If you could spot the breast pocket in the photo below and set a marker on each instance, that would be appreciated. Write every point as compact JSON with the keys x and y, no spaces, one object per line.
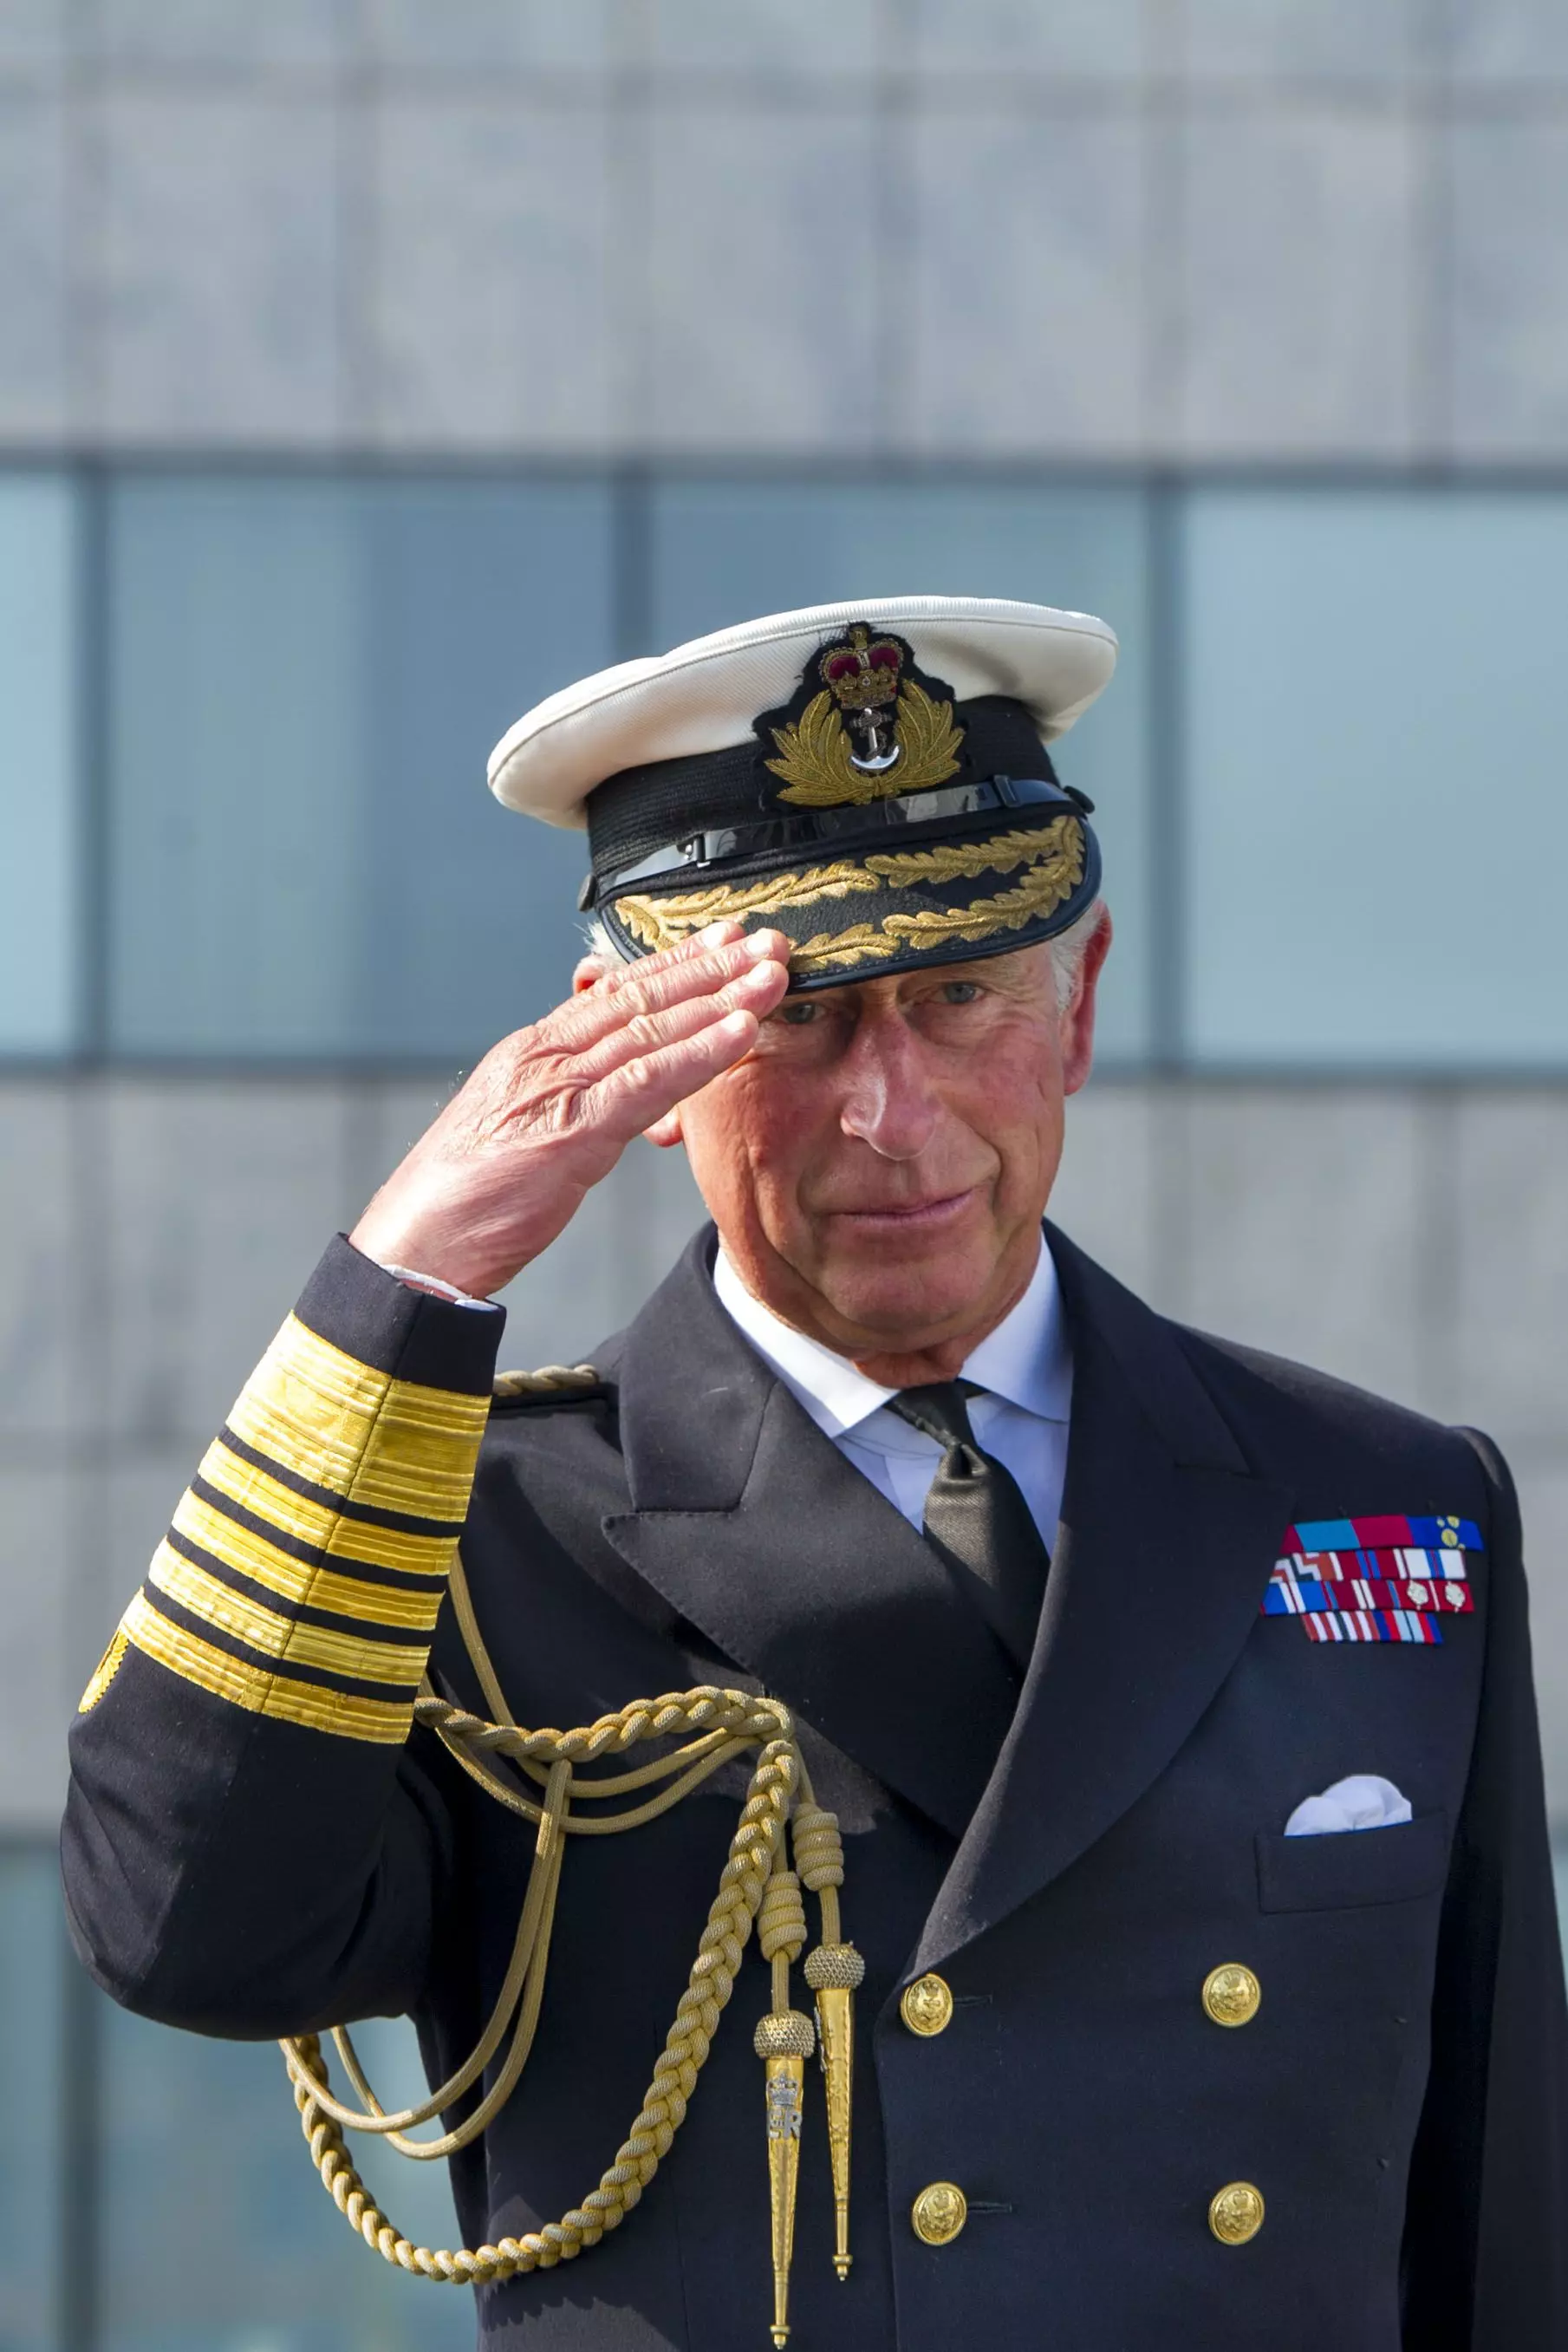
{"x":1346,"y":1869}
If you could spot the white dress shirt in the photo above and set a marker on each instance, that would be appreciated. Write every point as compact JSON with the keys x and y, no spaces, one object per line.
{"x":1025,"y":1368}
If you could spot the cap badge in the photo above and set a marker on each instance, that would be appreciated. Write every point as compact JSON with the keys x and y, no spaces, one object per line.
{"x":871,"y":730}
{"x":863,"y":679}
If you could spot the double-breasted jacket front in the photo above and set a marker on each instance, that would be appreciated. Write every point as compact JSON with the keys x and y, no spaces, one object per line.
{"x":1073,"y":1860}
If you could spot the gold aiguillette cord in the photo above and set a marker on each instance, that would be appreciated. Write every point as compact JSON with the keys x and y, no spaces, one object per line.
{"x":781,"y":1815}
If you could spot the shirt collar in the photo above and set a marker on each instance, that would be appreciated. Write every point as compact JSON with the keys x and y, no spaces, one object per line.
{"x":1026,"y":1360}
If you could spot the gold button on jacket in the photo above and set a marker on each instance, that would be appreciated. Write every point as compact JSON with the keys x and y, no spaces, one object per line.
{"x":939,"y":2212}
{"x":1231,"y":1994}
{"x":1235,"y":2212}
{"x":926,"y":2006}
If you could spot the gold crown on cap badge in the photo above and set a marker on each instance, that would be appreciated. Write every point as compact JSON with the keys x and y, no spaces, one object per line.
{"x":871,"y":731}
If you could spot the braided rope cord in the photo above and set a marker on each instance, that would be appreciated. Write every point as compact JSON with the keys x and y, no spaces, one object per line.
{"x":722,"y":1724}
{"x":551,"y":1380}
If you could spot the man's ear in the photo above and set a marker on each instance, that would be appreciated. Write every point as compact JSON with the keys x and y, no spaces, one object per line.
{"x":667,"y":1131}
{"x":590,"y":969}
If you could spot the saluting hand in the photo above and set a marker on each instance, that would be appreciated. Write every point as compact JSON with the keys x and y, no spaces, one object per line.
{"x":549,"y":1111}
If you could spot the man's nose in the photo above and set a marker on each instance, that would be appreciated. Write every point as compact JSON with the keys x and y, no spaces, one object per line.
{"x":889,"y":1100}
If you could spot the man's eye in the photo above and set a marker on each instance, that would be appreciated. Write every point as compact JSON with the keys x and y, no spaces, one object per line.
{"x":959,"y":991}
{"x":796,"y":1014}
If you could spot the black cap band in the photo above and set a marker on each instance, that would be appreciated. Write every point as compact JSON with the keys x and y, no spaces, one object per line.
{"x":803,"y":833}
{"x":642,"y":811}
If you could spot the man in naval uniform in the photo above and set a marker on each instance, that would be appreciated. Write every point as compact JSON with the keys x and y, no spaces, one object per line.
{"x":1174,"y":1702}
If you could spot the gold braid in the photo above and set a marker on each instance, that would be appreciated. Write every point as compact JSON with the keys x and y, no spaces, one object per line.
{"x":721,"y":1724}
{"x":551,"y":1380}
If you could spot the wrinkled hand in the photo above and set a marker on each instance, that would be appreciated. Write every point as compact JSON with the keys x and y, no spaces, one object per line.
{"x":549,"y":1111}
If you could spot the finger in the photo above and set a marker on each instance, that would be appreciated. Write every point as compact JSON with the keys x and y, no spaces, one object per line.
{"x":653,"y":985}
{"x":615,"y":970}
{"x":593,"y":1035}
{"x":637,"y":1095}
{"x":757,"y":991}
{"x":721,"y":934}
{"x":725,"y":943}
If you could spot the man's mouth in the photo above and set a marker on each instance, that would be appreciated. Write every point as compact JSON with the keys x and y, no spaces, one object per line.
{"x":909,"y":1216}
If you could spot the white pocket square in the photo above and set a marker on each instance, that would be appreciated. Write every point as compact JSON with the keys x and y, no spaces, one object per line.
{"x":1365,"y":1801}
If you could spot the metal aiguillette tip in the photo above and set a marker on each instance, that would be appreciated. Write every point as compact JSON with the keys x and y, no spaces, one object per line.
{"x":833,"y":1971}
{"x":784,"y":2042}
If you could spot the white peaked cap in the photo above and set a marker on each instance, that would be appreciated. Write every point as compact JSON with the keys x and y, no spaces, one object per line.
{"x":704,"y":696}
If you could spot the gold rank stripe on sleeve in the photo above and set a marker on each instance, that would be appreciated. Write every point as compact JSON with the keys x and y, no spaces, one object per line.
{"x":301,"y":1574}
{"x":105,"y":1671}
{"x":238,"y":1480}
{"x":259,"y":1689}
{"x":293,"y":1640}
{"x":305,"y":1567}
{"x":383,"y":1442}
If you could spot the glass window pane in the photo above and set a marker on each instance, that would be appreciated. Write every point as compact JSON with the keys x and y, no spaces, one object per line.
{"x":235,"y":761}
{"x":1373,"y":757}
{"x":727,"y":550}
{"x":306,"y":676}
{"x":31,"y":1960}
{"x":40,"y":808}
{"x":486,"y":597}
{"x":218,"y":2235}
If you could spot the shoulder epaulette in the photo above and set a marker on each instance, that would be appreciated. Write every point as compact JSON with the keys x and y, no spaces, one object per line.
{"x":551,"y":1383}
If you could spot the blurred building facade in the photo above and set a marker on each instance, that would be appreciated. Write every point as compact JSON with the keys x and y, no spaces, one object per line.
{"x":367,"y":368}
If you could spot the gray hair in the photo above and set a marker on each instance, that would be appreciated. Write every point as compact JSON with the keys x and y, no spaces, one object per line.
{"x":1067,"y":949}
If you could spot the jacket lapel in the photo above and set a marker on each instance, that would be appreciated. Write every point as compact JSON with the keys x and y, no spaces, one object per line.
{"x":753,"y":1526}
{"x":1165,"y":1549}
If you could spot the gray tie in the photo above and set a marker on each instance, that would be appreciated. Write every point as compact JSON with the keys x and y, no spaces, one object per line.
{"x":977,"y":1515}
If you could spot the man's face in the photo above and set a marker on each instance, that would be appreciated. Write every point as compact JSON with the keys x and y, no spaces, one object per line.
{"x":878,"y":1165}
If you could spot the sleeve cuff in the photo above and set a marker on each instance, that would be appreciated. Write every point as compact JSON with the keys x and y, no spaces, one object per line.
{"x":357,"y":1306}
{"x":437,"y":1288}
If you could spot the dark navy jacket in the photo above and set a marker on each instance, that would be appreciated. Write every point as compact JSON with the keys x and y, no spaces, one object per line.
{"x":1073,"y":1864}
